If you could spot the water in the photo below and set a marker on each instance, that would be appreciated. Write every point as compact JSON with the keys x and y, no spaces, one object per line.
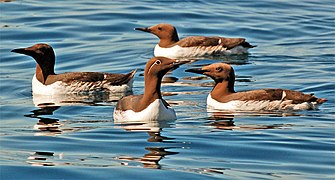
{"x":80,"y":140}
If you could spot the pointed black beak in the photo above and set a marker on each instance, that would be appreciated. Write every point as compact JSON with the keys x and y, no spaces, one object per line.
{"x":196,"y":70}
{"x":20,"y":50}
{"x":146,"y":29}
{"x":23,"y":51}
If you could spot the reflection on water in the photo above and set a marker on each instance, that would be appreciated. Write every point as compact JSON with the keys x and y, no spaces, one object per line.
{"x":225,"y":121}
{"x":78,"y":136}
{"x":44,"y":159}
{"x":47,"y":104}
{"x":229,"y":125}
{"x":47,"y":110}
{"x":76,"y":99}
{"x":223,"y":114}
{"x":149,"y":160}
{"x":153,"y":129}
{"x":46,"y":126}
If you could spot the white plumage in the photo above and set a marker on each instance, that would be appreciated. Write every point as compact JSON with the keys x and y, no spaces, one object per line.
{"x":252,"y":105}
{"x":156,"y":111}
{"x":197,"y":51}
{"x":60,"y":87}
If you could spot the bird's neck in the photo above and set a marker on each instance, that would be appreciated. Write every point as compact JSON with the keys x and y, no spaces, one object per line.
{"x":43,"y":73}
{"x":168,"y":41}
{"x":221,"y":89}
{"x":152,"y":88}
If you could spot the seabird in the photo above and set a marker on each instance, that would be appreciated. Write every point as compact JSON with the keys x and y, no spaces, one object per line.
{"x":193,"y":46}
{"x":149,"y":106}
{"x":224,"y":97}
{"x":47,"y":82}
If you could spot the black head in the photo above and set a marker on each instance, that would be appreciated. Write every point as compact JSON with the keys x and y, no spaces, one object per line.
{"x":42,"y":53}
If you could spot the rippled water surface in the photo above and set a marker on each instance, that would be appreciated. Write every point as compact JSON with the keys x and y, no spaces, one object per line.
{"x":295,"y":50}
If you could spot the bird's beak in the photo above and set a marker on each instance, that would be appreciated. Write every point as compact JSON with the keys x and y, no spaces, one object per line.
{"x":197,"y":70}
{"x":26,"y":51}
{"x":145,"y":29}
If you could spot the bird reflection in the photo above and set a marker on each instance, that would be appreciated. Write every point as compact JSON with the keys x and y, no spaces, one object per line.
{"x":225,"y":121}
{"x":153,"y":129}
{"x":149,"y":160}
{"x":47,"y":158}
{"x":46,"y":126}
{"x":47,"y":104}
{"x":76,"y":99}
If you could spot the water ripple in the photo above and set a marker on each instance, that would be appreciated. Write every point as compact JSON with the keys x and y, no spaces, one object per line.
{"x":78,"y":138}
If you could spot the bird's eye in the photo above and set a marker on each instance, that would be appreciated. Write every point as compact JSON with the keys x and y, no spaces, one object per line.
{"x":218,"y":69}
{"x":159,"y":28}
{"x":158,"y":62}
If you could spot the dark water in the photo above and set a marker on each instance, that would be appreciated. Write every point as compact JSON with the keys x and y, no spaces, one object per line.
{"x":296,"y":47}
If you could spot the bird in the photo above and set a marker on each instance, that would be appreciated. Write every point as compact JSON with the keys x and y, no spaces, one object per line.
{"x":224,"y":97}
{"x":149,"y":106}
{"x":47,"y":82}
{"x":193,"y":46}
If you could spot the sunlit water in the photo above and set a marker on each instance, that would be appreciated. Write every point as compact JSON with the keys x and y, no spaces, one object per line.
{"x":79,"y":139}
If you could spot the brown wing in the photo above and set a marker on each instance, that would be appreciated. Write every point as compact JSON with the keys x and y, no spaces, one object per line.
{"x":114,"y":79}
{"x":131,"y":102}
{"x":75,"y":76}
{"x":117,"y":79}
{"x":229,"y":43}
{"x":273,"y":94}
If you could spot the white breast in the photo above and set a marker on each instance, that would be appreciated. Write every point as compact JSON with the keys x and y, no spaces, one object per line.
{"x":154,"y":112}
{"x":198,"y":51}
{"x":59,"y":87}
{"x":39,"y":88}
{"x":277,"y":105}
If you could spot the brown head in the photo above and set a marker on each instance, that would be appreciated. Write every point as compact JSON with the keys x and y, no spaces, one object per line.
{"x":219,"y":72}
{"x":159,"y":66}
{"x":165,"y":32}
{"x":155,"y":69}
{"x":43,"y":55}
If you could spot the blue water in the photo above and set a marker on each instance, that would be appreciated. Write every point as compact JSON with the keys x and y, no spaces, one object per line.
{"x":295,"y":50}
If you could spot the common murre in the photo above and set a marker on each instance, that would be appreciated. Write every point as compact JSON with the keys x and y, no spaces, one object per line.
{"x":149,"y":106}
{"x":47,"y":82}
{"x":193,"y":46}
{"x":224,"y":97}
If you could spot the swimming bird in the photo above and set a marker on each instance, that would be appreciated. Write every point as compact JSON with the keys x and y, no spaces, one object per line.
{"x":224,"y":97}
{"x":149,"y":106}
{"x":47,"y":82}
{"x":193,"y":46}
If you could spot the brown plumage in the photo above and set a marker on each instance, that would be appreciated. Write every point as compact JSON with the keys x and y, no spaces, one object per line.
{"x":109,"y":78}
{"x":155,"y":69}
{"x":223,"y":91}
{"x":271,"y":95}
{"x":45,"y":74}
{"x":169,"y":37}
